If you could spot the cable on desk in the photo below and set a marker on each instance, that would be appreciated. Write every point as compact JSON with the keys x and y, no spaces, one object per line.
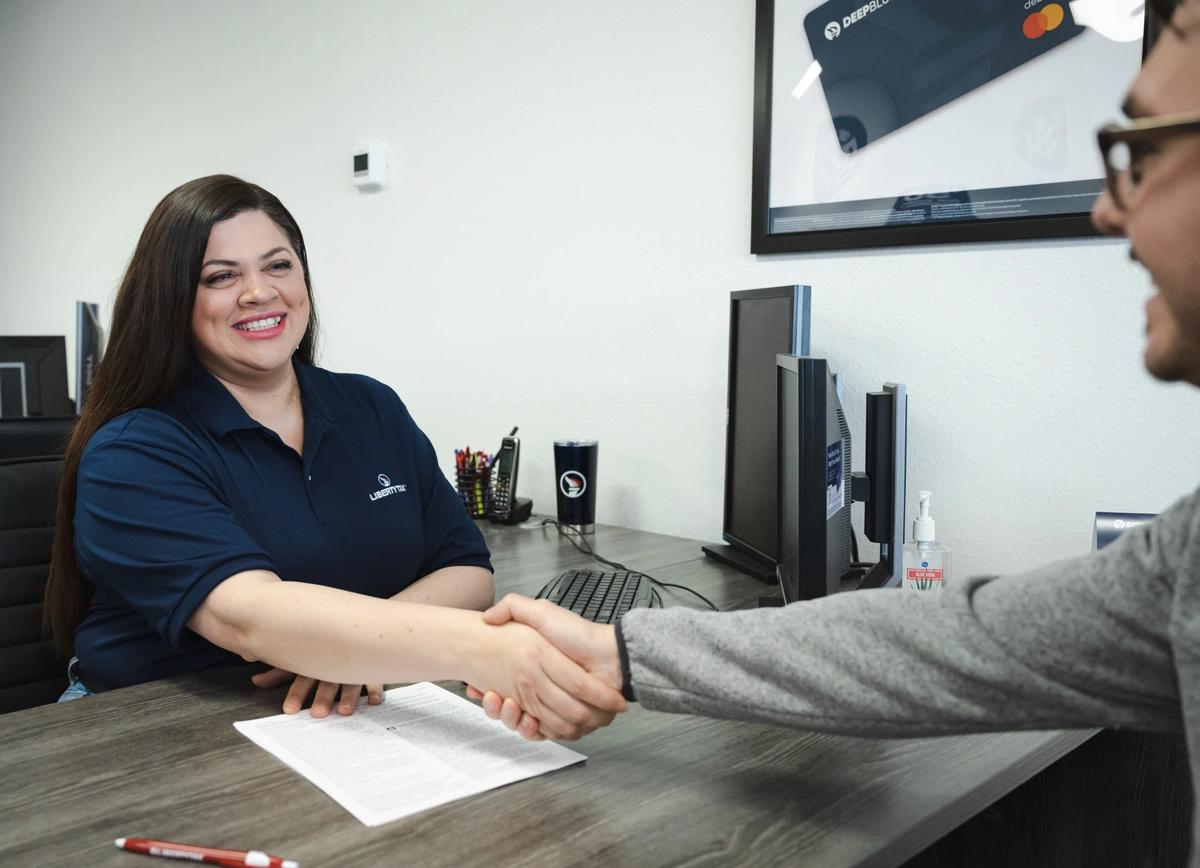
{"x":570,"y":534}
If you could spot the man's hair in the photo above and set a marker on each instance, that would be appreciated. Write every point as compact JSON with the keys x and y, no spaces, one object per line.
{"x":1158,"y":19}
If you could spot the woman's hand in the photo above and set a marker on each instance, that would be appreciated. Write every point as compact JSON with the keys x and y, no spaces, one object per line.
{"x":592,"y":646}
{"x":507,"y":712}
{"x":325,"y":696}
{"x":517,"y":662}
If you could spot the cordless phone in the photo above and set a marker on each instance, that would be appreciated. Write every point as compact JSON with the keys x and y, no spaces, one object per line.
{"x":505,"y":507}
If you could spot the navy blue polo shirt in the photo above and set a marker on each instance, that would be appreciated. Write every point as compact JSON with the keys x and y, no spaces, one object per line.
{"x":174,"y":499}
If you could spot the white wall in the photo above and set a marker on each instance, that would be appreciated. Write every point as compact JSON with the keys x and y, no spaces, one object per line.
{"x":569,"y":211}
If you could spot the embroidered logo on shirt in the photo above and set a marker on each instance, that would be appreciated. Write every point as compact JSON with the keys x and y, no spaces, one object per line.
{"x":388,"y":488}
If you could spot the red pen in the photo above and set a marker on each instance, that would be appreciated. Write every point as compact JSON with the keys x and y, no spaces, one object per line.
{"x":211,"y":855}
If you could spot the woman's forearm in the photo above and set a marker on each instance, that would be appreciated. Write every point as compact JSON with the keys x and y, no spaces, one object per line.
{"x":462,"y":587}
{"x":343,"y":638}
{"x":338,"y":636}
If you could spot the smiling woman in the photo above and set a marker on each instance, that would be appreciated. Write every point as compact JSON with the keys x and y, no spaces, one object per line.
{"x":251,"y":294}
{"x":229,"y":499}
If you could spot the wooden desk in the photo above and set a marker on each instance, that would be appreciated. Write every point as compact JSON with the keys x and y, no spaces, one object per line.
{"x":164,"y":760}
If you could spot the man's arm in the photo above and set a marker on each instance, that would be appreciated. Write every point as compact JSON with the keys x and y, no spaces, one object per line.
{"x":1023,"y":652}
{"x":1085,"y":642}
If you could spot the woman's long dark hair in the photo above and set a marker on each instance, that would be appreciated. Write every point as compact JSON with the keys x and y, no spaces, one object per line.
{"x":150,"y":351}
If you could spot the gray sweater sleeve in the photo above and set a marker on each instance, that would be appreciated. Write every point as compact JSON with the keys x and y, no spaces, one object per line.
{"x":1080,"y":643}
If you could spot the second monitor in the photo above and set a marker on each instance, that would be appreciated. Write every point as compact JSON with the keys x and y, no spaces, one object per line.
{"x":33,"y":376}
{"x":817,"y":487}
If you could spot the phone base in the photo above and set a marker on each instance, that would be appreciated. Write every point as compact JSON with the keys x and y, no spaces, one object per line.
{"x":521,"y":510}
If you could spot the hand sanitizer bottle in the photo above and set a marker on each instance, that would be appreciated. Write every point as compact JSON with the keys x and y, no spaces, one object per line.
{"x":926,"y":562}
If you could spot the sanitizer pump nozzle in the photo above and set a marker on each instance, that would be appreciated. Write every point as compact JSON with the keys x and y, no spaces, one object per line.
{"x":923,"y":524}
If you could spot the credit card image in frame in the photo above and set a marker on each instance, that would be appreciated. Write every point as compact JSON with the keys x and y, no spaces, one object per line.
{"x":881,"y":122}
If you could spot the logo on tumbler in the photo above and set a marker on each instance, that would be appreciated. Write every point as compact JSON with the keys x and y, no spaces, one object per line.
{"x":572,"y":483}
{"x":383,"y":480}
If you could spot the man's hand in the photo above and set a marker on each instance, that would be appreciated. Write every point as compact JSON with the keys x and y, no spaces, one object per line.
{"x":325,"y":695}
{"x":516,"y":661}
{"x":592,"y":646}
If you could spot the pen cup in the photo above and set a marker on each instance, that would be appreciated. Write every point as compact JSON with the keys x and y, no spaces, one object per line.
{"x":575,"y":472}
{"x":473,"y":491}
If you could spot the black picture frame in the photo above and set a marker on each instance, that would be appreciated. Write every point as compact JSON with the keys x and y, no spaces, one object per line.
{"x":764,"y":241}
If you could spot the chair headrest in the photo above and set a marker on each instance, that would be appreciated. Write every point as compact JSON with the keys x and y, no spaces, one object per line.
{"x":35,"y":435}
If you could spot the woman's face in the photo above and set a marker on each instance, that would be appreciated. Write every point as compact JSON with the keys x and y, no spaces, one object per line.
{"x":251,"y":305}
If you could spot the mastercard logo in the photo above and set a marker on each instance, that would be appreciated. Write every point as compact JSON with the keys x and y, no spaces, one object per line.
{"x":1044,"y":20}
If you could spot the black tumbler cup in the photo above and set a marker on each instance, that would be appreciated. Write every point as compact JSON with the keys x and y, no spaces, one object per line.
{"x":575,"y":470}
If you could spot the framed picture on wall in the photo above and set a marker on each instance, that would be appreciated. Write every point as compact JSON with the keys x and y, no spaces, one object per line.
{"x":885,"y":122}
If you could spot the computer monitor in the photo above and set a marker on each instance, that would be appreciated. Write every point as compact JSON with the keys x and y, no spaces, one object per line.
{"x":814,"y":480}
{"x":762,"y":324}
{"x":33,"y":376}
{"x":817,"y":487}
{"x":89,"y":345}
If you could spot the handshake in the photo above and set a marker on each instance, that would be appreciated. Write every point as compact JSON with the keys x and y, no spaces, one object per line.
{"x":565,"y":686}
{"x":542,"y":670}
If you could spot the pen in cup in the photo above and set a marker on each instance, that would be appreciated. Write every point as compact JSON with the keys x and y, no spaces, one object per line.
{"x":207,"y":855}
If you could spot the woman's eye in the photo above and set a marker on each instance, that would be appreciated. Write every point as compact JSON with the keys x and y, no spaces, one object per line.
{"x":219,"y":278}
{"x":281,"y":265}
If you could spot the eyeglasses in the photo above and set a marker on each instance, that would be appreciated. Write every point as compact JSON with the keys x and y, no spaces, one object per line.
{"x":1125,"y":148}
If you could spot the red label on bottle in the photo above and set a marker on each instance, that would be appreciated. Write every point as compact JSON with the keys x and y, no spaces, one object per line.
{"x":919,"y":575}
{"x":919,"y":579}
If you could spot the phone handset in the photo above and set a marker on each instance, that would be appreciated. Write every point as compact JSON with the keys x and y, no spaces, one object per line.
{"x":505,"y":507}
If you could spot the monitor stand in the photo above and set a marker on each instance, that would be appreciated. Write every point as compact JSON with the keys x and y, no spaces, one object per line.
{"x":739,"y":560}
{"x":884,"y":574}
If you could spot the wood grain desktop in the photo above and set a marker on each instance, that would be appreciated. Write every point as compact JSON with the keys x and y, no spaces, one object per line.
{"x":163,"y":760}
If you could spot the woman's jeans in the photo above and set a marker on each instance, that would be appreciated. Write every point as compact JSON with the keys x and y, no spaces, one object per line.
{"x":77,"y":689}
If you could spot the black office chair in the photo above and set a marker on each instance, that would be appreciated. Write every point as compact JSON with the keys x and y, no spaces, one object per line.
{"x":31,"y":673}
{"x":26,"y":436}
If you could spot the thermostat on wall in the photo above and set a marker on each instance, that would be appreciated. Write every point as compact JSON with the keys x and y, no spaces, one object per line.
{"x":371,"y":167}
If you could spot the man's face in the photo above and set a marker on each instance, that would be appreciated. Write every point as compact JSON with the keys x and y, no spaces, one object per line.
{"x":1162,"y":219}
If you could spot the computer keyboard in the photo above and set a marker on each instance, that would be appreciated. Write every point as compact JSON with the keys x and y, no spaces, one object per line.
{"x":596,"y":596}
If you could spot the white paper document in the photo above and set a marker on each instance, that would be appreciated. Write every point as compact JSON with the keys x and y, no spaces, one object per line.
{"x":422,"y":747}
